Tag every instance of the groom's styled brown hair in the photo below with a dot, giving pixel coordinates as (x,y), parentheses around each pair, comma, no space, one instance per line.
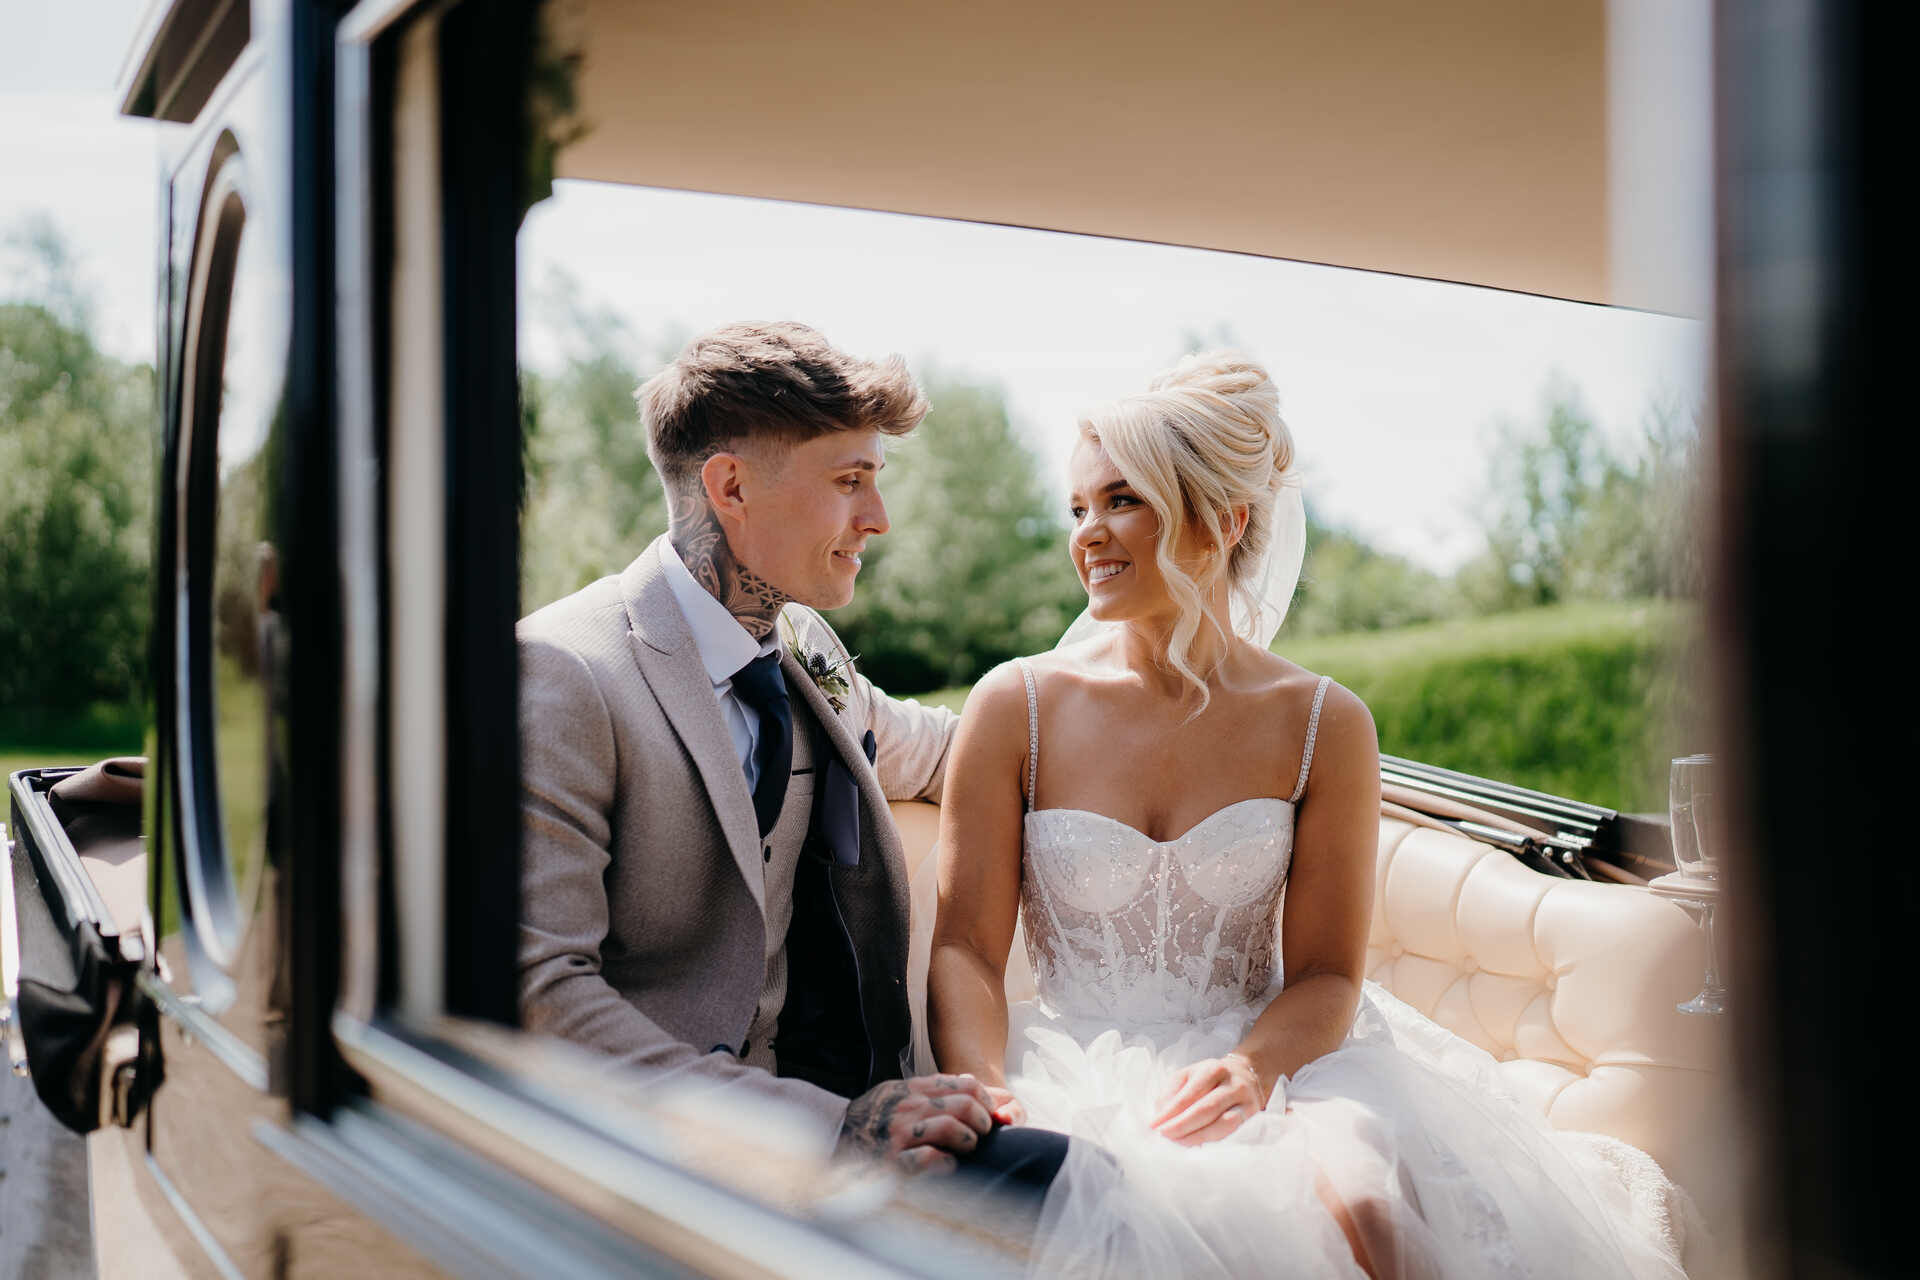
(780,381)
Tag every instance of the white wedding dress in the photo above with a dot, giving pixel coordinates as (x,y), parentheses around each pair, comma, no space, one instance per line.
(1150,955)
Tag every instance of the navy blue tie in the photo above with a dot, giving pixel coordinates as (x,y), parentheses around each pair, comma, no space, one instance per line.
(761,686)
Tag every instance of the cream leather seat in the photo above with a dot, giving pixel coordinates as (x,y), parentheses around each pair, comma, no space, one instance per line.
(1571,985)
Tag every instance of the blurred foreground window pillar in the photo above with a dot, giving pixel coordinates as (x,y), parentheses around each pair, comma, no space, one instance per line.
(1816,477)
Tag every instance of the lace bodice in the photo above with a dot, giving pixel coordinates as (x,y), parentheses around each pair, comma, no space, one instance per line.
(1141,932)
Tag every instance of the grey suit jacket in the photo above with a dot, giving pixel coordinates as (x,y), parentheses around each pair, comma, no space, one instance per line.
(642,933)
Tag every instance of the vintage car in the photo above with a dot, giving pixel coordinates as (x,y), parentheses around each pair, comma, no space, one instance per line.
(271,971)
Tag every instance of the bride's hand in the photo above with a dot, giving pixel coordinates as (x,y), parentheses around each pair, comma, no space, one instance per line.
(1006,1108)
(1210,1099)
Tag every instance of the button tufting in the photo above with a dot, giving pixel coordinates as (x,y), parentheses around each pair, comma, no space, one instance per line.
(1396,951)
(1470,965)
(1508,1055)
(1553,980)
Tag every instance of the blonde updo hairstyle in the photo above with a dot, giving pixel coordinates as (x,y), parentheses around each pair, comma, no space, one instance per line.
(1205,437)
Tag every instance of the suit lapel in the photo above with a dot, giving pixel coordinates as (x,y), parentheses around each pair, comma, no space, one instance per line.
(664,649)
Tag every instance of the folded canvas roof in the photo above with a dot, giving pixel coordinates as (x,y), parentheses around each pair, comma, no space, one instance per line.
(1464,141)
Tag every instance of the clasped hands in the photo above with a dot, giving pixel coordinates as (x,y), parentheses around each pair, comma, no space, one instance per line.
(1211,1098)
(921,1124)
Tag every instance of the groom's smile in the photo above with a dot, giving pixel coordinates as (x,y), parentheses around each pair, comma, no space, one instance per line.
(811,509)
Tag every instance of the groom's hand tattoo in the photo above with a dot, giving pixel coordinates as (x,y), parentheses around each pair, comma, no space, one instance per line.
(696,535)
(918,1122)
(869,1119)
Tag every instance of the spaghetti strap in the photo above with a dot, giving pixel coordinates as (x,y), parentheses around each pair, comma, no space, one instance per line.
(1313,728)
(1033,725)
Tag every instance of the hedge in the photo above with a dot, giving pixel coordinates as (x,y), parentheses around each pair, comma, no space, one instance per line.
(1586,701)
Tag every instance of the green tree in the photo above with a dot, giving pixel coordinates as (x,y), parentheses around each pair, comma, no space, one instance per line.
(591,497)
(975,569)
(1347,584)
(75,498)
(1571,516)
(1669,509)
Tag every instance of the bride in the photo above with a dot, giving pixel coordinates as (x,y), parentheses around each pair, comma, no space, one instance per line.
(1188,823)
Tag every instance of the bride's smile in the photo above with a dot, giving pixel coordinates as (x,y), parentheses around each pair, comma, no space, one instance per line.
(1113,540)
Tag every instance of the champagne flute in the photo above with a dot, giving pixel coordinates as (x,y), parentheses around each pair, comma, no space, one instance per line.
(1694,807)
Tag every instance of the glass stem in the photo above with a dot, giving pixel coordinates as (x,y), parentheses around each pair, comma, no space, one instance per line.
(1713,952)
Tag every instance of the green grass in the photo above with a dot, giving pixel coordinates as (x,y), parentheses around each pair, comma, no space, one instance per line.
(34,739)
(13,759)
(1584,701)
(1587,701)
(1359,655)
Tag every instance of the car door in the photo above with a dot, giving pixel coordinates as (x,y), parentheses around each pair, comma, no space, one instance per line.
(231,565)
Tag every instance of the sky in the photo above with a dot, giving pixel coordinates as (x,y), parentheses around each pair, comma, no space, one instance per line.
(1391,387)
(66,153)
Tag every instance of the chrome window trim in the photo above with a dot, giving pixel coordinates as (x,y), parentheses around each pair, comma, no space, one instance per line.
(195,1020)
(416,553)
(211,917)
(209,1245)
(359,467)
(701,1226)
(445,1201)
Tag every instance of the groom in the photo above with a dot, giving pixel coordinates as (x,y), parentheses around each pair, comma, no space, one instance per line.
(713,887)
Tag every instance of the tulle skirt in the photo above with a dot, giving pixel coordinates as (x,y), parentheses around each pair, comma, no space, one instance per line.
(1437,1168)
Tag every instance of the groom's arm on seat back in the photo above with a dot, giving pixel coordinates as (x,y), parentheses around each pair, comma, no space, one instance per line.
(911,741)
(911,745)
(569,777)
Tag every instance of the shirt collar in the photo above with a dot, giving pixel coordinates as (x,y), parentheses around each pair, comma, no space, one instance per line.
(723,644)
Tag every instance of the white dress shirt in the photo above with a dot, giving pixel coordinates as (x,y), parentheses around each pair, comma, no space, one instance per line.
(724,647)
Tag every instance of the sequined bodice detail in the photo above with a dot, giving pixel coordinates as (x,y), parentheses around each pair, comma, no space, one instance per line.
(1140,932)
(1144,932)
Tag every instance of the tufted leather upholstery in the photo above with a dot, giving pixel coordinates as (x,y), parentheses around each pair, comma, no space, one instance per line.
(1571,985)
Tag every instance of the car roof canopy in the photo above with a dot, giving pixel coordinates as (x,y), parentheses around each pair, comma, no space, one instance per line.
(1464,141)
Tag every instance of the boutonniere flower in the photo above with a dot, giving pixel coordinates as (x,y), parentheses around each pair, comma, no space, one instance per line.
(828,675)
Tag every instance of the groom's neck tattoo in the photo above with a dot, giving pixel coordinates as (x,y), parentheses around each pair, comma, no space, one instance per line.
(696,534)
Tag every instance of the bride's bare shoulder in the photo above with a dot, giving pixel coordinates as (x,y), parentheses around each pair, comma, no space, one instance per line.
(1001,694)
(1295,687)
(1278,677)
(996,706)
